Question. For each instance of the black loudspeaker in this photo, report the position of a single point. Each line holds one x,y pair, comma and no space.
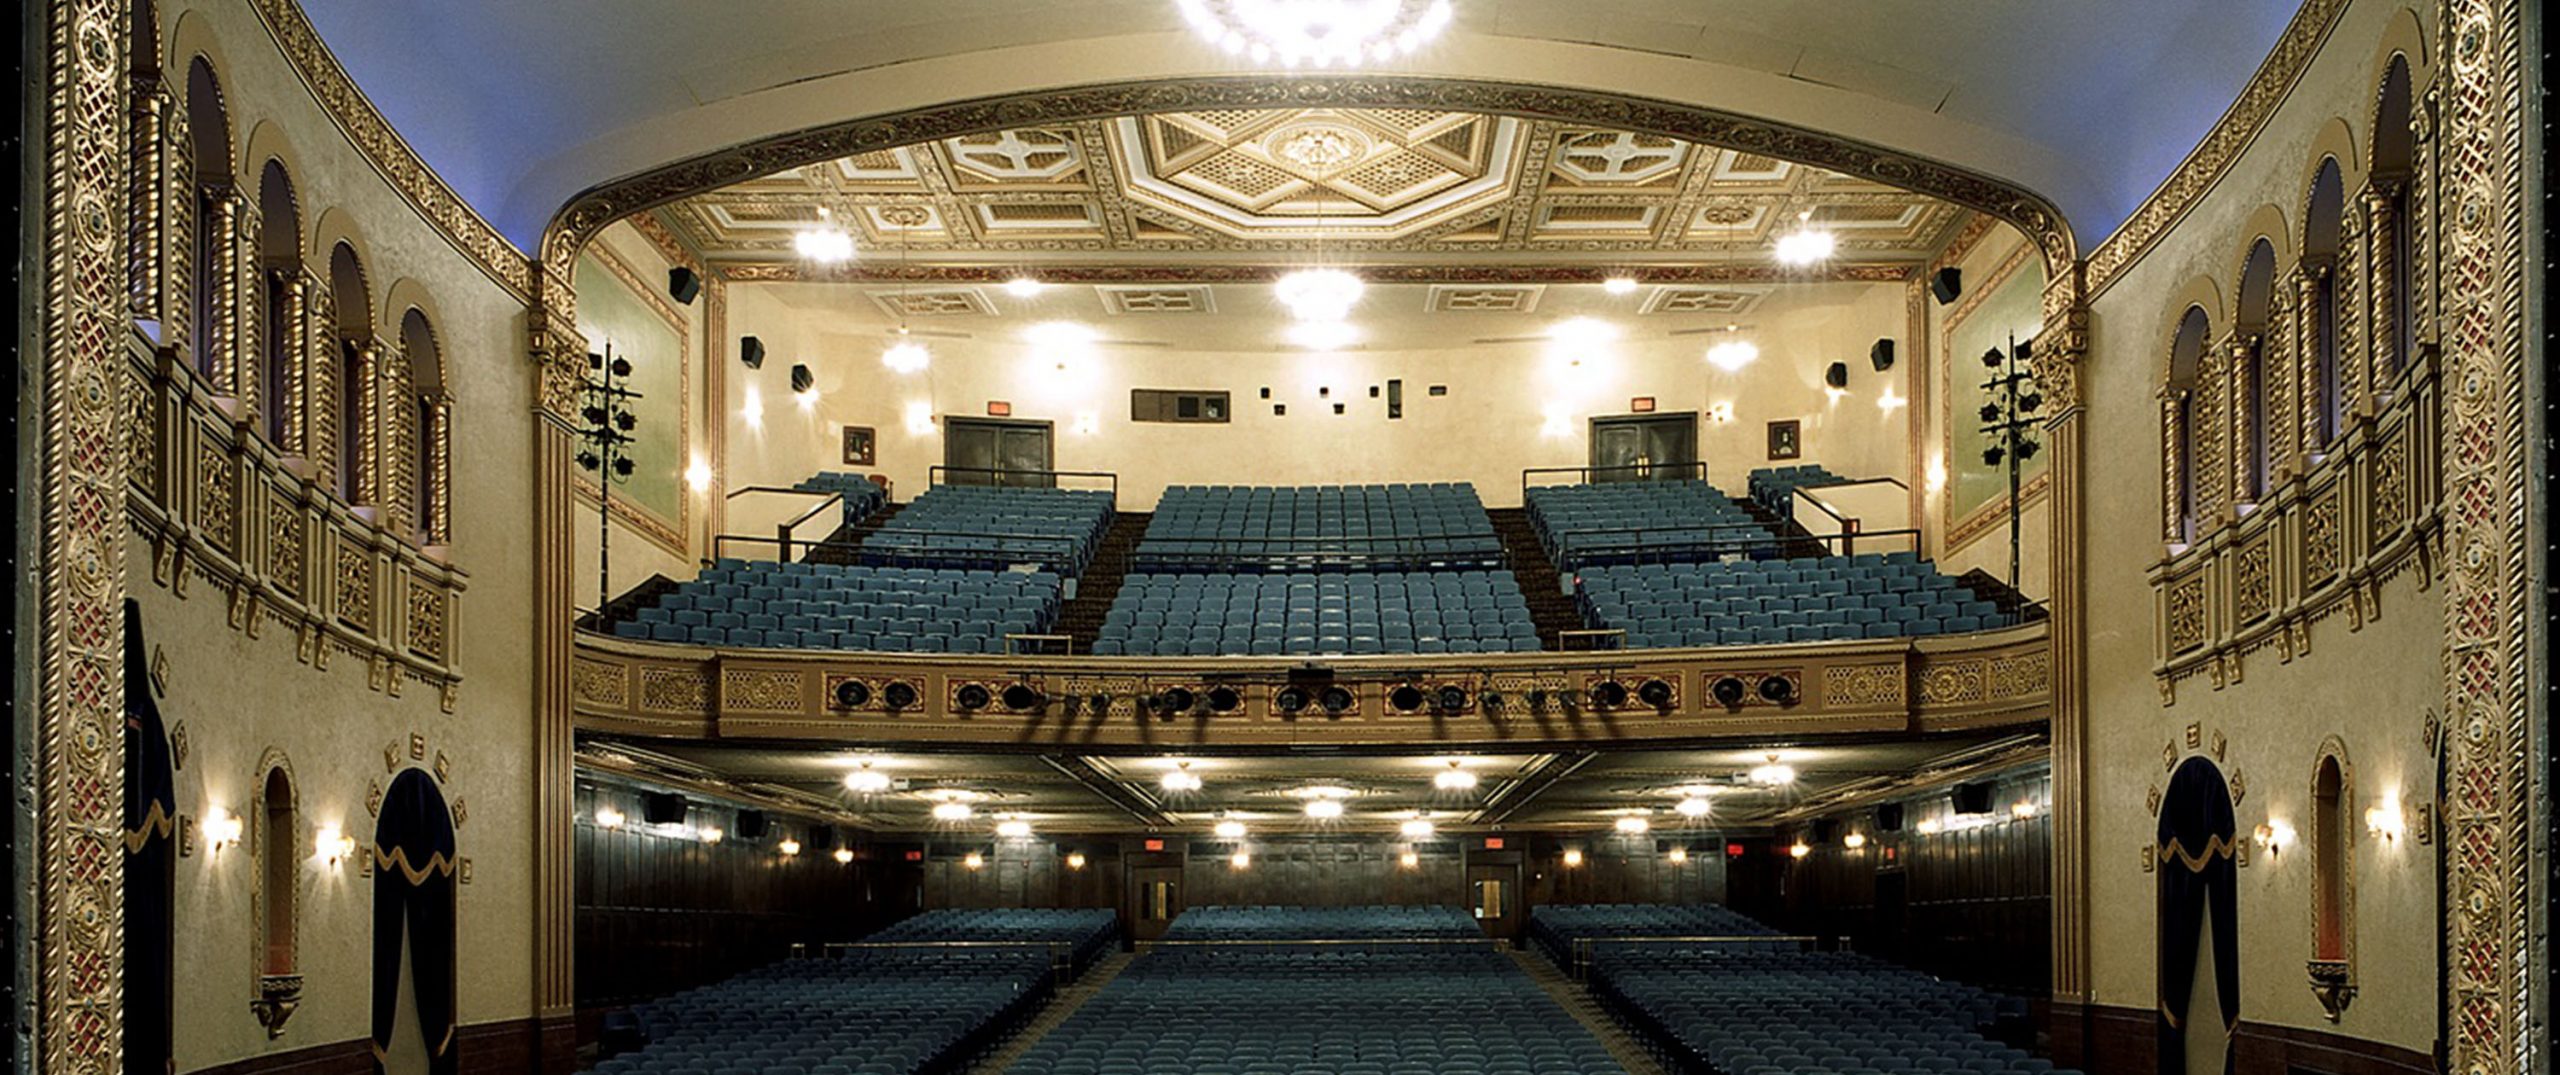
801,378
1889,817
1837,376
1823,830
662,808
1946,284
751,352
1881,355
751,824
1972,798
684,284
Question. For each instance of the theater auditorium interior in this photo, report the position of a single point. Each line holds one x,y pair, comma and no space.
1281,537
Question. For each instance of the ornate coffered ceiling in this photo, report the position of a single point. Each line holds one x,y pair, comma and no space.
1232,186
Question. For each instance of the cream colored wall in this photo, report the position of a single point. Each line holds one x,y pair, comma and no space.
2371,688
1509,407
238,696
637,555
1987,547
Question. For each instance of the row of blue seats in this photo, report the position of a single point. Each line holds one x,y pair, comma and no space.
1088,932
1554,927
1200,524
1760,602
1437,1010
993,526
869,1012
804,605
1598,523
1263,922
862,496
1276,615
1774,488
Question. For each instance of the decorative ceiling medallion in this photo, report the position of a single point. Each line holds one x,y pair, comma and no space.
1147,299
1702,300
944,302
1485,298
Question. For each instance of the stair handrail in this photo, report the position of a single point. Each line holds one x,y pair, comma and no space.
1700,466
934,475
785,531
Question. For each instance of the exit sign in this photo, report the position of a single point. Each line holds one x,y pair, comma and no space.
1155,845
1493,843
1641,404
997,408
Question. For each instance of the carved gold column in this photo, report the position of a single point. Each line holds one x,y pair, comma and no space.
2309,386
559,356
364,442
221,360
395,421
2347,280
73,386
2173,465
2276,364
177,259
2382,268
145,223
2208,438
2058,356
440,476
294,332
2426,217
248,320
2242,357
320,414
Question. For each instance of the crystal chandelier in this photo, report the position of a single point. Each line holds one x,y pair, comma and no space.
1319,33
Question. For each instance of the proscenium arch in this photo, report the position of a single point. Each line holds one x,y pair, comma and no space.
587,214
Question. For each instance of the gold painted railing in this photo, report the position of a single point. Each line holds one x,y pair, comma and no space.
1988,679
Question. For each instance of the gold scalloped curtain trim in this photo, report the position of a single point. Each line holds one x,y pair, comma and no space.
155,825
437,863
2217,847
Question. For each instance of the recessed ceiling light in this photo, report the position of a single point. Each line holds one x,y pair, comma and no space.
1583,330
1632,824
825,245
1418,828
1773,774
866,780
1023,287
1693,806
1454,778
1229,830
1804,247
1014,829
952,811
1181,778
1317,33
1324,809
1619,285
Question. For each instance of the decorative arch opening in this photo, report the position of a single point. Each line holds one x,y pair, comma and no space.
2255,309
426,383
2394,162
209,137
353,302
413,923
2178,423
150,866
2329,843
2199,922
2324,223
280,273
279,851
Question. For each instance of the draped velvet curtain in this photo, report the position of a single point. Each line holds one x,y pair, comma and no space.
413,893
150,866
2198,874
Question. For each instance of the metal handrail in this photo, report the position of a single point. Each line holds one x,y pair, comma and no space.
1641,552
1316,942
933,475
1586,472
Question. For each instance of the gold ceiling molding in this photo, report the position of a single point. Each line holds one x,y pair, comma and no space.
2205,165
389,153
868,138
1167,273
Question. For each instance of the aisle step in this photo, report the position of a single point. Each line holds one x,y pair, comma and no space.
1578,1002
1063,1005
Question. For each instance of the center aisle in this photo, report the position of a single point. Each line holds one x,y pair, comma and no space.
1578,1003
1068,1000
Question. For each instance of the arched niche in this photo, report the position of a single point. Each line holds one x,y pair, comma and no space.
2199,921
414,921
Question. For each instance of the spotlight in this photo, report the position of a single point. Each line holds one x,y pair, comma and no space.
1451,699
2026,450
1418,828
1537,698
751,352
1224,700
1728,691
1655,693
867,780
1489,700
1990,412
1694,806
1290,700
1174,702
900,696
1324,809
1454,778
1993,358
1778,689
1946,284
1633,825
971,697
1024,696
1608,694
1405,699
1335,700
1992,456
1181,779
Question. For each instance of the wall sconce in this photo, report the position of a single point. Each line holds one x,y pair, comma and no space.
920,418
697,476
2384,818
332,846
1410,860
221,829
1720,412
1930,827
2022,810
1240,860
2274,836
1572,858
1075,860
973,860
1088,423
751,408
1854,841
1678,856
711,834
844,854
789,847
608,818
1799,849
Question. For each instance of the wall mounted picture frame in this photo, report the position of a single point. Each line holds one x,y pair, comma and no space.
1786,439
861,446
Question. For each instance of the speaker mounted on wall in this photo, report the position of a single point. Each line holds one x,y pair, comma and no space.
751,352
662,808
1881,355
801,378
1972,798
684,284
1889,817
1946,284
1837,376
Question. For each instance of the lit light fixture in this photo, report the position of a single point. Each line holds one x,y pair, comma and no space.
1419,828
2274,836
1317,33
1324,809
823,245
1773,774
1455,777
1319,294
332,845
2384,818
1731,355
973,860
1931,827
1229,830
2022,809
1240,860
1619,285
789,847
1804,246
751,408
1411,860
1023,287
952,811
697,477
1854,841
1890,401
1935,478
1633,824
906,355
1014,829
844,854
1572,858
712,834
1677,855
1181,778
1799,850
608,818
1075,860
1694,806
221,828
1835,394
866,780
920,417
1323,335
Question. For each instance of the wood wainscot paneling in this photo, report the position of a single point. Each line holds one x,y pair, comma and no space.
2106,1039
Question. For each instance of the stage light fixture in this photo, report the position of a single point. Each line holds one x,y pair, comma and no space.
751,352
1728,691
1335,700
1655,693
971,698
1450,699
1608,694
1778,689
1024,696
1290,700
1836,375
900,696
1405,698
1225,699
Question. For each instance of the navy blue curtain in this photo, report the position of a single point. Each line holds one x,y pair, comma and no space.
2198,871
150,866
413,867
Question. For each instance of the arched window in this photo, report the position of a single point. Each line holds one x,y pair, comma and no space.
2323,225
2394,167
280,272
2250,390
426,383
354,304
2179,453
279,856
2329,836
209,132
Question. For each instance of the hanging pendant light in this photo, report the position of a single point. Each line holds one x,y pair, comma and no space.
1317,33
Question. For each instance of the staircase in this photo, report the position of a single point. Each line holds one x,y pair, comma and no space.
1549,605
1623,1047
1795,540
1081,619
845,545
1055,1012
1992,588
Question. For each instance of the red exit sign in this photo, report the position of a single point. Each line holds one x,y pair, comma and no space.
1155,845
1641,404
915,856
1493,843
997,408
